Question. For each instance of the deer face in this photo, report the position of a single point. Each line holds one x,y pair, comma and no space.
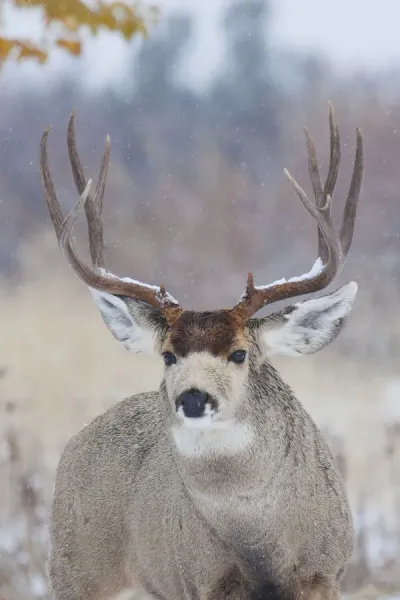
206,358
207,355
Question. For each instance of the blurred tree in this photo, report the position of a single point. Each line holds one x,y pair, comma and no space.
160,107
66,19
246,101
158,61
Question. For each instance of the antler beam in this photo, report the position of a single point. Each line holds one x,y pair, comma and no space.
97,276
332,248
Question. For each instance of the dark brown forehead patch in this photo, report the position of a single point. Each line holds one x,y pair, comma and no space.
215,332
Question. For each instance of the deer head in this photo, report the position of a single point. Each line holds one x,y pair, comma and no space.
208,355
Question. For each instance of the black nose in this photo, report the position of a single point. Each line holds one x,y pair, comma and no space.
193,403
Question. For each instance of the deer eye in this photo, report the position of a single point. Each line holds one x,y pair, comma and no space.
238,357
169,358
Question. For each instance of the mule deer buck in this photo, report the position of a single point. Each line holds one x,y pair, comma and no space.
218,485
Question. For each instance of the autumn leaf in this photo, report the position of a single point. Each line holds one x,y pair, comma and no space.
27,50
73,47
22,50
5,48
68,17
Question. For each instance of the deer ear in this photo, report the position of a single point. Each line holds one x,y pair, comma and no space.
139,326
305,327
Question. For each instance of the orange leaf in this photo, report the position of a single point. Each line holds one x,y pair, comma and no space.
5,48
72,46
70,17
30,51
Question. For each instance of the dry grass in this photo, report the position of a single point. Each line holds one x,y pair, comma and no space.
60,367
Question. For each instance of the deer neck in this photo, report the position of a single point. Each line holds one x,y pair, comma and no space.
236,455
233,474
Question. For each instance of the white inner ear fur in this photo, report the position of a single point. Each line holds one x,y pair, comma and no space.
310,326
131,329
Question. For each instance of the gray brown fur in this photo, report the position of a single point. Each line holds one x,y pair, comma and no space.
240,499
214,331
129,510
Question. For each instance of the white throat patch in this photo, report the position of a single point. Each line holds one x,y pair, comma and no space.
198,437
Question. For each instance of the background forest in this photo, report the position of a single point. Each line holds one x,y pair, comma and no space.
196,197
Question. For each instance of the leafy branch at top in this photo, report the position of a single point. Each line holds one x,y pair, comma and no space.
68,18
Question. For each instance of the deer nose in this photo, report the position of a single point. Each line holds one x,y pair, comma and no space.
193,403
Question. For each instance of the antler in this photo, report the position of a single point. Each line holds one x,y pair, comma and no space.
332,248
97,277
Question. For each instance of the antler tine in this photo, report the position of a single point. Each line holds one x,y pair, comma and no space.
50,195
332,249
321,192
334,159
350,211
96,277
93,206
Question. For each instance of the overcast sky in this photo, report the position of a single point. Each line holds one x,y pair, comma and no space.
352,33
